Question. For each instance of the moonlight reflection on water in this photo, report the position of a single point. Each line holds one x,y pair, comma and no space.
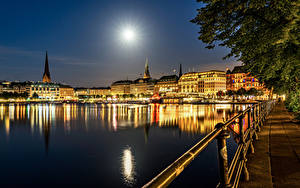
128,166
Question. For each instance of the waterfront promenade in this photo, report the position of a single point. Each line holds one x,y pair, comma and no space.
276,161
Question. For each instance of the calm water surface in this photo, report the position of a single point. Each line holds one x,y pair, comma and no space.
96,145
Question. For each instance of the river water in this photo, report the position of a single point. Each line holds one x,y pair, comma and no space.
106,145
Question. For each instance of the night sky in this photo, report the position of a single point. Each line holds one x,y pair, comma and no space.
84,43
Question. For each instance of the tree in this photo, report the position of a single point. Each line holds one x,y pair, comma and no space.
264,35
252,91
35,95
241,92
230,93
220,93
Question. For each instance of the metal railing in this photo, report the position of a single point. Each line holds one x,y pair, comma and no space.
229,177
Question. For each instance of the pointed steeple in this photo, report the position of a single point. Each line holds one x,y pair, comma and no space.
46,75
147,72
180,71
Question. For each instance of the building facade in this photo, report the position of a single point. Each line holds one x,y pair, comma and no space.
203,83
237,79
81,92
99,91
189,83
167,85
66,93
142,86
14,87
121,87
44,90
214,81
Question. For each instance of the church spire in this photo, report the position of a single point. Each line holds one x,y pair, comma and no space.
180,71
147,73
46,75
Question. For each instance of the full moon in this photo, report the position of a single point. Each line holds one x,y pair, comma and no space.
128,35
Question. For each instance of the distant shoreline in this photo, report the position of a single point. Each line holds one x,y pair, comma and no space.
145,103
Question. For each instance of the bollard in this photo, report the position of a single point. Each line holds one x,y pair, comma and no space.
242,141
223,157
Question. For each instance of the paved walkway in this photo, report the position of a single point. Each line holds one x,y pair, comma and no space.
276,161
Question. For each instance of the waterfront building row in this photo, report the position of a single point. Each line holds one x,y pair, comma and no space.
39,90
237,79
207,83
51,91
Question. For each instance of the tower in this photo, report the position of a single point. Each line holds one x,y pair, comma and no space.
146,73
46,75
180,71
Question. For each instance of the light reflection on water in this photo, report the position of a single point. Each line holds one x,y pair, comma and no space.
194,119
45,119
128,166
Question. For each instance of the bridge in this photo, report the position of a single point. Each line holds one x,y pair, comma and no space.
275,163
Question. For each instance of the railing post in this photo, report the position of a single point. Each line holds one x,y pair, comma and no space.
256,122
251,128
264,111
257,117
244,152
223,156
261,114
255,125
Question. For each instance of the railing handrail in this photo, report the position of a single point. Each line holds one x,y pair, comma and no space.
164,178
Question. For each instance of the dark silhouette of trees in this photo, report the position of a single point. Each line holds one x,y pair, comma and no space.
35,96
13,95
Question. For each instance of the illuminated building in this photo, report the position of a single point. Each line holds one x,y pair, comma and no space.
214,81
190,83
203,83
45,90
46,75
81,92
121,87
142,86
237,79
99,91
167,85
66,92
15,87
